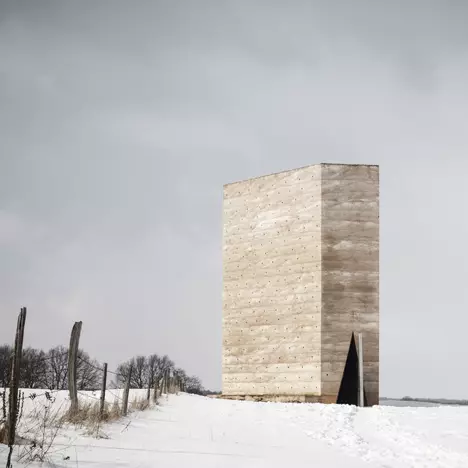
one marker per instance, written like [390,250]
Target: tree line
[49,370]
[147,370]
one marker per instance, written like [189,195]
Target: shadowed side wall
[350,273]
[272,284]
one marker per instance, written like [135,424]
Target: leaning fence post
[126,392]
[72,363]
[103,391]
[14,382]
[361,370]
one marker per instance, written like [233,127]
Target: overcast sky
[121,121]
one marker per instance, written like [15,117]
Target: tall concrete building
[300,276]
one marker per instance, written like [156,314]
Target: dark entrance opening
[349,387]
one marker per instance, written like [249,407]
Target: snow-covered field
[187,430]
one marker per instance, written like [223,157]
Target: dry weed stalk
[3,419]
[4,412]
[46,422]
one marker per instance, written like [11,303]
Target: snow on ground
[188,430]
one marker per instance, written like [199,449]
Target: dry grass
[88,415]
[90,418]
[139,404]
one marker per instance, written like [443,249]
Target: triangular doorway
[349,387]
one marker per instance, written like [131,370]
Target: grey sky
[121,121]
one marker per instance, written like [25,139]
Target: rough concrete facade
[300,274]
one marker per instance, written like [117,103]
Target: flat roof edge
[298,169]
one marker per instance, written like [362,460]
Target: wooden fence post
[14,383]
[103,391]
[163,383]
[360,371]
[155,391]
[171,382]
[72,363]
[127,391]
[148,392]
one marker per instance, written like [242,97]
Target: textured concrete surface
[350,272]
[300,273]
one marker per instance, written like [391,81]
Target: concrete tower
[300,275]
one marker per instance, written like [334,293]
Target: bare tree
[152,368]
[139,374]
[166,363]
[149,370]
[156,366]
[88,372]
[181,376]
[145,370]
[50,370]
[57,366]
[33,368]
[122,372]
[193,385]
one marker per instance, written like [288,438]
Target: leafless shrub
[39,432]
[4,417]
